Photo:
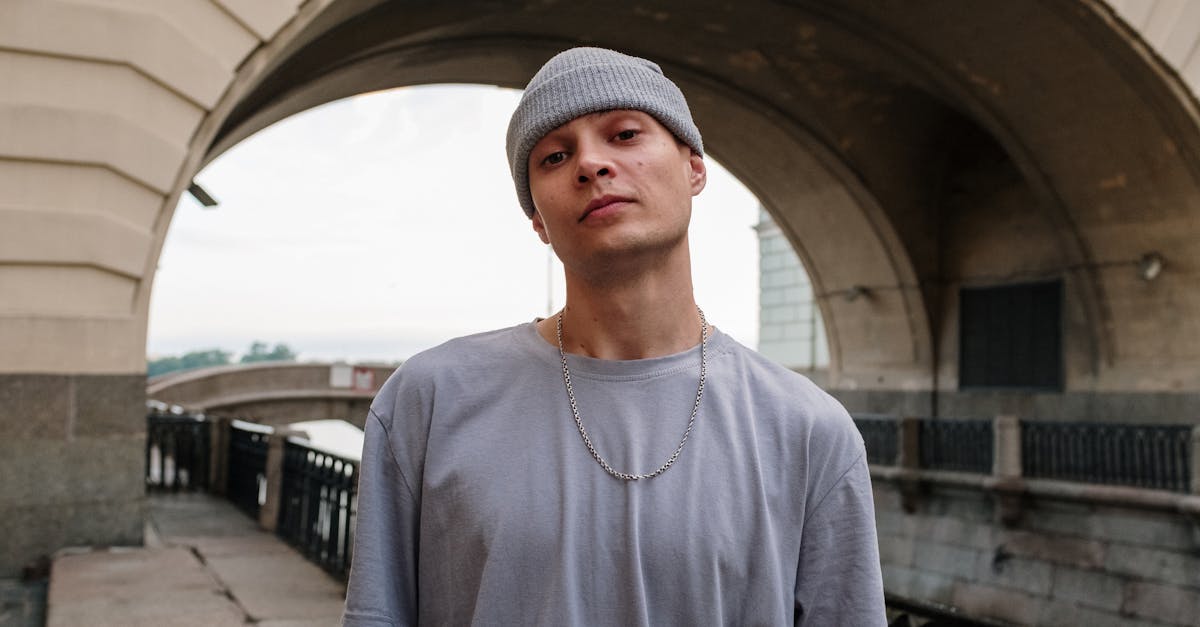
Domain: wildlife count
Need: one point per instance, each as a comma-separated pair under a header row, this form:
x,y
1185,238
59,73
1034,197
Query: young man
x,y
623,462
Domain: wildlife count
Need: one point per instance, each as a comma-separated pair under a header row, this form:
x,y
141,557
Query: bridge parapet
x,y
1080,523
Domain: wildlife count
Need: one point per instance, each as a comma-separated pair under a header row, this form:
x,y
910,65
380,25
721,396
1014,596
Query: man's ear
x,y
539,227
698,174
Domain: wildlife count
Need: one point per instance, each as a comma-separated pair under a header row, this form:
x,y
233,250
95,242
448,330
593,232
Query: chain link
x,y
579,421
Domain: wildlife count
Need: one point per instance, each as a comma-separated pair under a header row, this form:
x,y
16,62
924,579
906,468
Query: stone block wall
x,y
72,463
1062,563
790,329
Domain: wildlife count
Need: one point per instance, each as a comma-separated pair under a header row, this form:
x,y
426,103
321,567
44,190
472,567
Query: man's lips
x,y
601,203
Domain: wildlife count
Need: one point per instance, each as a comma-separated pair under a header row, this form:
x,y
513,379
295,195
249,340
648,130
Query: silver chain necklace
x,y
583,432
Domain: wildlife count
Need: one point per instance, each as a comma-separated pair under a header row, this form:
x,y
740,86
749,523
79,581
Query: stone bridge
x,y
275,392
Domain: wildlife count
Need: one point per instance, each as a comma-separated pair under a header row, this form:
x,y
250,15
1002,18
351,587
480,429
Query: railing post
x,y
1196,459
1006,468
218,455
1006,447
908,457
268,514
908,440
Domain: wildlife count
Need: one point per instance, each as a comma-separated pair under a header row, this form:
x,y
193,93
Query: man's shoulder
x,y
771,379
457,359
465,350
785,394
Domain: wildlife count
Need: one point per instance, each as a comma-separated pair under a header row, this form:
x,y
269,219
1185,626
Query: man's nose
x,y
593,162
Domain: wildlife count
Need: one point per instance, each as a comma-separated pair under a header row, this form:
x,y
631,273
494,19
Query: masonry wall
x,y
1063,563
790,329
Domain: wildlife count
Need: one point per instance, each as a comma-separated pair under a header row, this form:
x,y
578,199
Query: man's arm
x,y
838,579
383,574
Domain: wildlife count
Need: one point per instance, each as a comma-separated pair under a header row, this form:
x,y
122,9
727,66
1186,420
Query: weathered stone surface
x,y
110,405
896,550
137,587
1169,604
1111,524
1154,565
997,603
34,532
960,503
1053,548
34,406
956,531
1092,588
86,470
946,559
1015,573
1066,613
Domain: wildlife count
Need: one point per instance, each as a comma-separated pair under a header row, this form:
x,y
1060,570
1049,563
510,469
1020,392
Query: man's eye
x,y
627,135
554,158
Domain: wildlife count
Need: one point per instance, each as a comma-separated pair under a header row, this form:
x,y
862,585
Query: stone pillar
x,y
268,514
1196,459
908,457
908,440
1006,469
1006,446
218,460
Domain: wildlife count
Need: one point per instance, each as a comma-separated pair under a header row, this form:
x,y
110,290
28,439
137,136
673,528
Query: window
x,y
1011,336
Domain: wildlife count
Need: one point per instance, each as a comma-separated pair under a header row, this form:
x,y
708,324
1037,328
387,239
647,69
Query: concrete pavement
x,y
204,563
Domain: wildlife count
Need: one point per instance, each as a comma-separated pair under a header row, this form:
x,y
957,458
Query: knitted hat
x,y
586,80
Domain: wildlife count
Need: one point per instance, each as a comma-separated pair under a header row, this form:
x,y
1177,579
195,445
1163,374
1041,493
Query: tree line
x,y
259,351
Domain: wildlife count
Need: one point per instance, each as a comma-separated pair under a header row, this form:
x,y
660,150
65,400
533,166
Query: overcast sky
x,y
374,227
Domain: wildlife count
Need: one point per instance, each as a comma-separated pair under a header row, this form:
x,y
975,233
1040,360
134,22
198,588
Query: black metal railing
x,y
1146,456
178,449
318,505
247,480
958,445
880,434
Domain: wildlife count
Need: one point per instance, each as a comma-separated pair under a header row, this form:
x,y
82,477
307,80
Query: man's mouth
x,y
601,203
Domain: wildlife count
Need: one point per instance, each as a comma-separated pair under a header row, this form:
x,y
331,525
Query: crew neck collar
x,y
617,369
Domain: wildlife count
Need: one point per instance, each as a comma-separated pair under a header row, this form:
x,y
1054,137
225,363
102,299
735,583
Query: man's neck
x,y
651,314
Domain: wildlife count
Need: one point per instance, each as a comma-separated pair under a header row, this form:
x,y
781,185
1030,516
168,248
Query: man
x,y
622,462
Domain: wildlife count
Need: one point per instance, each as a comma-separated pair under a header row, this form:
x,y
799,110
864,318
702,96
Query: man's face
x,y
613,185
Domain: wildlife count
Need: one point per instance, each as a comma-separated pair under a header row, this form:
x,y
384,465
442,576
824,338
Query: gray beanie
x,y
586,80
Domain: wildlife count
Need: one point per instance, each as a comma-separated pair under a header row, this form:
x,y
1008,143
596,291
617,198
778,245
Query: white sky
x,y
374,227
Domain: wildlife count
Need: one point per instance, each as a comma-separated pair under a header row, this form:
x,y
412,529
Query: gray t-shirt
x,y
479,503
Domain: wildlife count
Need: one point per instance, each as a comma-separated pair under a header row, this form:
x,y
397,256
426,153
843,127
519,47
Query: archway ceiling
x,y
846,106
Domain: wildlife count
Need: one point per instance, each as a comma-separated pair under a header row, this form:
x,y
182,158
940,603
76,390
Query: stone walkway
x,y
204,563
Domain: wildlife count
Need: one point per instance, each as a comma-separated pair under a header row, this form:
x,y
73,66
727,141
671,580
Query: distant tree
x,y
259,352
189,361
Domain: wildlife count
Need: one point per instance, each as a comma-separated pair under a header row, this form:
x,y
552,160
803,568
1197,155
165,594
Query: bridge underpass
x,y
954,147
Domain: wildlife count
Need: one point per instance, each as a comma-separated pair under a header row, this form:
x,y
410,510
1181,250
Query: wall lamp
x,y
855,292
201,196
1150,266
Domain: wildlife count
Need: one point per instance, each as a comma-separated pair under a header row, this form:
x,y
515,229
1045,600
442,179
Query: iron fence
x,y
957,445
177,452
881,435
247,465
1146,456
318,505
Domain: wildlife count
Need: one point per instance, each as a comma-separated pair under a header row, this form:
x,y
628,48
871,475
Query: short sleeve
x,y
383,575
838,578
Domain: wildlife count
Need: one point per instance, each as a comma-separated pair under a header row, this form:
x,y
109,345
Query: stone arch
x,y
110,106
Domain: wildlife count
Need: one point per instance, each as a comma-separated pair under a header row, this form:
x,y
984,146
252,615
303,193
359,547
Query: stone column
x,y
218,460
908,457
268,514
908,440
1196,459
1006,469
1006,446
